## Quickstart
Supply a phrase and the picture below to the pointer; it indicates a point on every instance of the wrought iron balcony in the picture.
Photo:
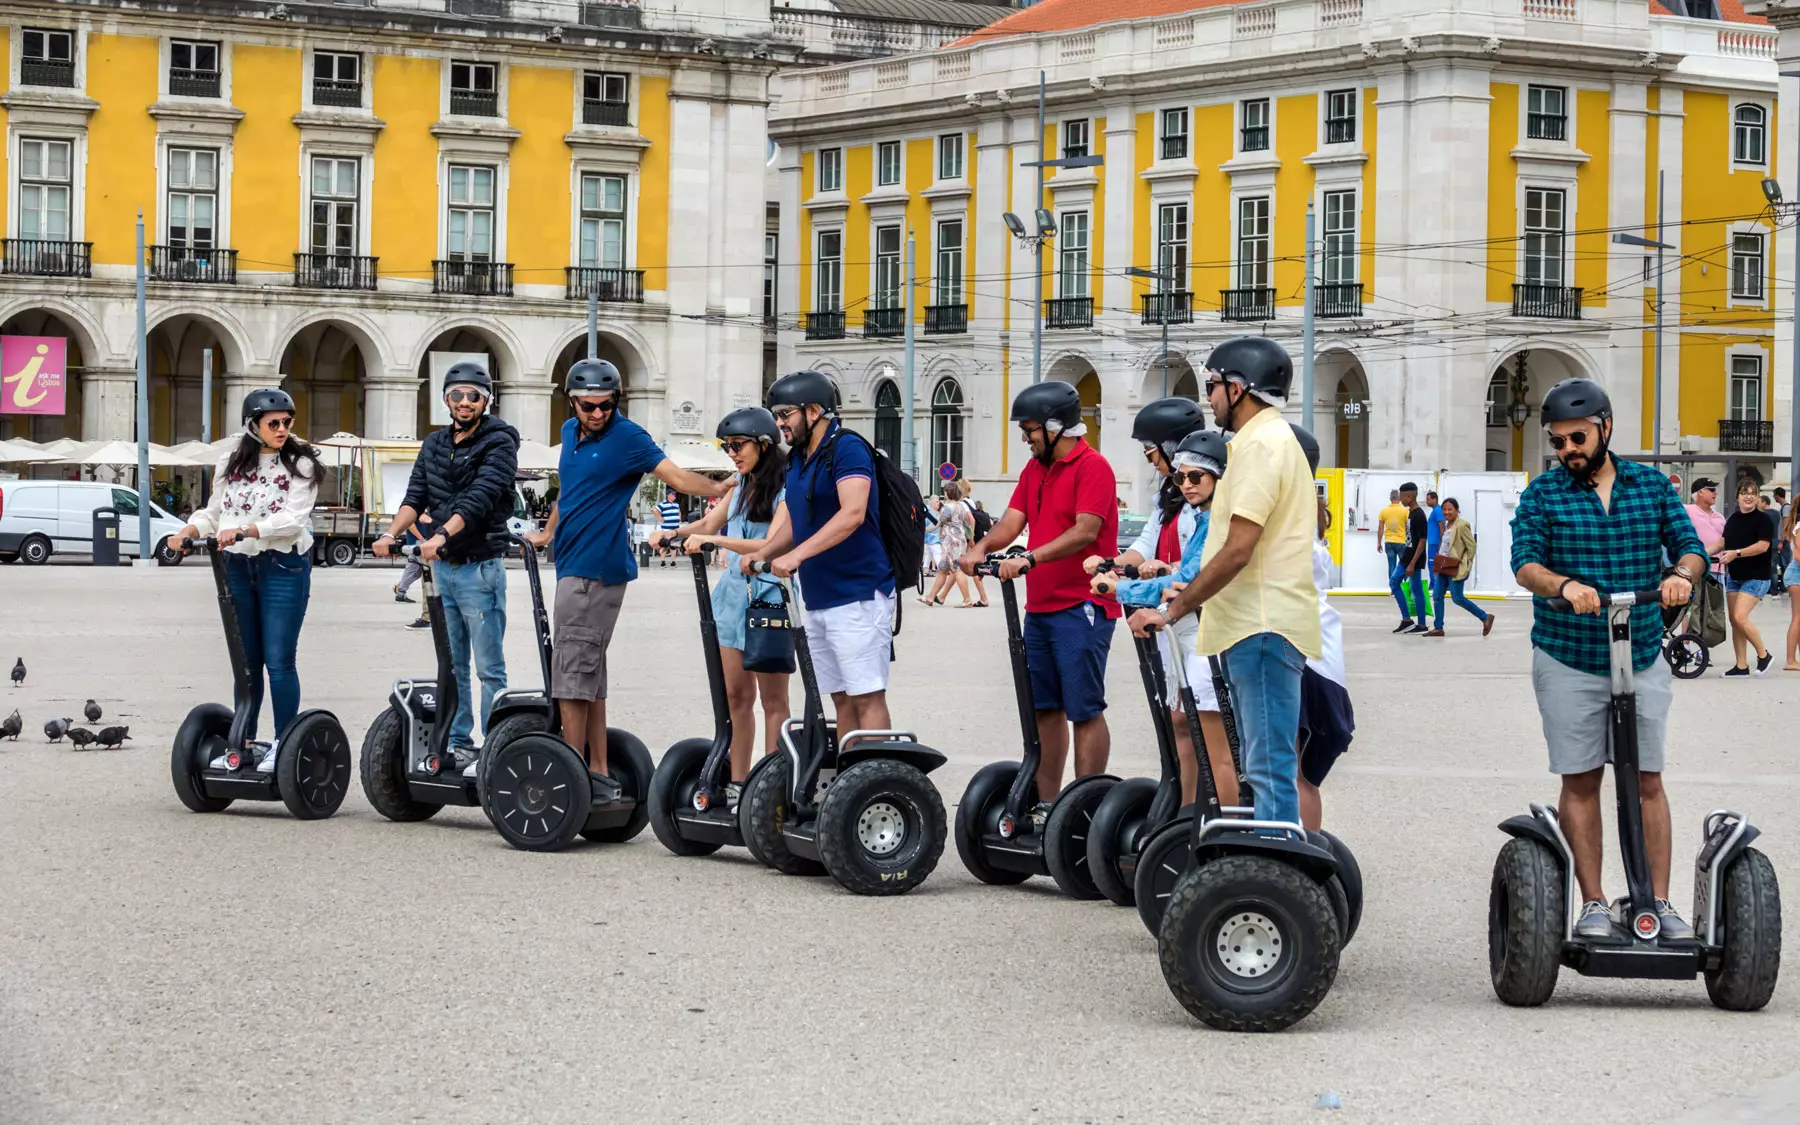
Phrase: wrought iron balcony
(1556, 302)
(884, 322)
(42, 257)
(1545, 126)
(946, 320)
(1338, 299)
(594, 111)
(475, 103)
(472, 279)
(1738, 435)
(47, 72)
(608, 283)
(1173, 307)
(186, 83)
(1257, 303)
(1069, 312)
(193, 264)
(334, 271)
(1175, 147)
(1340, 130)
(825, 325)
(337, 92)
(1255, 138)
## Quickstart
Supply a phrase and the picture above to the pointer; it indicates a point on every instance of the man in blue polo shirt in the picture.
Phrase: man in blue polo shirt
(604, 457)
(834, 542)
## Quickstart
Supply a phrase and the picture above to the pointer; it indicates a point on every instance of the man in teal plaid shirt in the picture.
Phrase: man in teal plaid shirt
(1597, 525)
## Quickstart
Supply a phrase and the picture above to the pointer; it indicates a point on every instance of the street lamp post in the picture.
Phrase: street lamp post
(1164, 284)
(1659, 246)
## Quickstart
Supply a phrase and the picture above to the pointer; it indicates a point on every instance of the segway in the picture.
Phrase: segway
(1532, 906)
(995, 834)
(857, 805)
(312, 761)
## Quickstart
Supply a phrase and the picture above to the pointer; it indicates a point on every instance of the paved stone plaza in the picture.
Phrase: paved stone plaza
(157, 965)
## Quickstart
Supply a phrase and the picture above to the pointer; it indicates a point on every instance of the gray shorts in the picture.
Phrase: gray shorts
(586, 611)
(1574, 706)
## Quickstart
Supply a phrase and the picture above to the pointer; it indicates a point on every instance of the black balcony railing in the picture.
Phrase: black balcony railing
(946, 320)
(884, 322)
(185, 83)
(1338, 299)
(1556, 302)
(475, 103)
(42, 257)
(608, 283)
(597, 112)
(337, 92)
(825, 325)
(1738, 435)
(334, 271)
(472, 279)
(1247, 304)
(1069, 312)
(47, 72)
(1545, 126)
(1173, 307)
(1174, 148)
(1255, 138)
(192, 264)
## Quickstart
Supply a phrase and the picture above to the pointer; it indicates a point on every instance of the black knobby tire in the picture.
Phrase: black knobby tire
(881, 827)
(1687, 656)
(1750, 912)
(982, 804)
(628, 761)
(1166, 856)
(1117, 830)
(751, 844)
(383, 769)
(1066, 834)
(206, 724)
(513, 726)
(1528, 902)
(763, 807)
(34, 551)
(672, 790)
(312, 767)
(1216, 914)
(1349, 882)
(539, 795)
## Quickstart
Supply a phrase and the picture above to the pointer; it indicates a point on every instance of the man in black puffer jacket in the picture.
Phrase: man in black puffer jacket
(464, 479)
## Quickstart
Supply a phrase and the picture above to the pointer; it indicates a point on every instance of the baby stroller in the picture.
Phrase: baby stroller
(1690, 633)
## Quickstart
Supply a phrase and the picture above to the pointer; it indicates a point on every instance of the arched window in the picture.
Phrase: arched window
(1747, 132)
(1499, 399)
(946, 428)
(887, 419)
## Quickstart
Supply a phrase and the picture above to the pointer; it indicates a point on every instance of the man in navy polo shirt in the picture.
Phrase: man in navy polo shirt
(604, 457)
(834, 542)
(1068, 496)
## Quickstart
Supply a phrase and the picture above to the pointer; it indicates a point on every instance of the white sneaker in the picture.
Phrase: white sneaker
(267, 763)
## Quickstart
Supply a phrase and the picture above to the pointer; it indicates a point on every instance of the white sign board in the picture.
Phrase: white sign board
(441, 362)
(685, 419)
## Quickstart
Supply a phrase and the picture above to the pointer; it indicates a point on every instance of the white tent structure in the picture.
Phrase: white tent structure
(536, 457)
(200, 452)
(699, 457)
(63, 447)
(19, 452)
(126, 453)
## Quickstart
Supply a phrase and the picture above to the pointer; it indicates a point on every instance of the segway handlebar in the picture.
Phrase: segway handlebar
(1652, 596)
(209, 542)
(989, 567)
(1108, 566)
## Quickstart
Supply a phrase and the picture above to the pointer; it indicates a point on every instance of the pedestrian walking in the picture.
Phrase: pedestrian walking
(1790, 538)
(953, 531)
(413, 569)
(980, 523)
(1434, 526)
(1409, 572)
(1747, 555)
(668, 518)
(1390, 538)
(1709, 522)
(1450, 567)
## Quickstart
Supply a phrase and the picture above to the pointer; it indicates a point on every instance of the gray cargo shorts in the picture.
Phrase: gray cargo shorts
(1575, 705)
(586, 611)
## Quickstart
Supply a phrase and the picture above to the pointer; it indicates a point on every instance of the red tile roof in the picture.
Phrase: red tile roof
(1731, 11)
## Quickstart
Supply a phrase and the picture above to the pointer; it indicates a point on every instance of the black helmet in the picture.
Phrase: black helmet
(1052, 404)
(469, 375)
(592, 377)
(1259, 363)
(1572, 399)
(1309, 443)
(749, 421)
(258, 403)
(1166, 421)
(804, 388)
(1207, 445)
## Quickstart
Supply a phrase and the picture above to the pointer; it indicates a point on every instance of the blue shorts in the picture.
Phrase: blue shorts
(1065, 652)
(1792, 575)
(1757, 588)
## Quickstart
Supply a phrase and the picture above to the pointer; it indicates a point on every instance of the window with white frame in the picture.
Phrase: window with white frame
(45, 186)
(1172, 247)
(887, 267)
(1075, 137)
(829, 292)
(1253, 243)
(948, 280)
(336, 196)
(887, 163)
(1339, 265)
(602, 221)
(1253, 134)
(1072, 248)
(946, 427)
(474, 89)
(1545, 212)
(1340, 117)
(1546, 113)
(1746, 401)
(1174, 133)
(193, 68)
(47, 57)
(605, 98)
(771, 245)
(831, 169)
(337, 79)
(193, 198)
(469, 219)
(1747, 135)
(950, 156)
(1747, 266)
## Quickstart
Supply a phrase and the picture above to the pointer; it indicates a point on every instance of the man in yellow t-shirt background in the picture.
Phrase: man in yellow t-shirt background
(1392, 539)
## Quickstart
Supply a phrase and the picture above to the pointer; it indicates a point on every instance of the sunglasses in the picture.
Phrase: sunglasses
(465, 396)
(605, 406)
(279, 423)
(1192, 476)
(1212, 385)
(785, 413)
(737, 444)
(1578, 438)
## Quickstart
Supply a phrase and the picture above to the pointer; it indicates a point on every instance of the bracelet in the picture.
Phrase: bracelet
(1564, 586)
(1030, 560)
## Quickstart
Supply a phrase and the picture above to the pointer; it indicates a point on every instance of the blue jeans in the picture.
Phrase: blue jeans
(1264, 671)
(1443, 582)
(1398, 577)
(475, 611)
(270, 590)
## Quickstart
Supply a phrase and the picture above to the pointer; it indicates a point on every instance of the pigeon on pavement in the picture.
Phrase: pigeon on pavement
(80, 736)
(92, 711)
(18, 672)
(11, 726)
(56, 728)
(111, 737)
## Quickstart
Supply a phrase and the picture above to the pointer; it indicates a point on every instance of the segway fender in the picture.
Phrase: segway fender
(1528, 827)
(922, 758)
(1316, 859)
(522, 704)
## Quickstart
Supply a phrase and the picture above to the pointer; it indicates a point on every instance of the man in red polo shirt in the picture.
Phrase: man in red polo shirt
(1067, 495)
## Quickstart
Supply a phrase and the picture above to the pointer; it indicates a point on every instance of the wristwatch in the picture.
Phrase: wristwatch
(1683, 571)
(1030, 560)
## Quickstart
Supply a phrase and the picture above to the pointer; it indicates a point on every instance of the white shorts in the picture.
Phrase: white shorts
(852, 645)
(1198, 671)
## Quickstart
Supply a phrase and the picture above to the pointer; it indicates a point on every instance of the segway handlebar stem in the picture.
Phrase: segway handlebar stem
(209, 542)
(989, 567)
(1652, 596)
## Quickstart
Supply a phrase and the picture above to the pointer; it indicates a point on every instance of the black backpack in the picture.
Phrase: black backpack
(984, 523)
(901, 512)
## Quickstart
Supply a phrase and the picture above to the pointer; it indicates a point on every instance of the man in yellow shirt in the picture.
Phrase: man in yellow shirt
(1392, 541)
(1255, 580)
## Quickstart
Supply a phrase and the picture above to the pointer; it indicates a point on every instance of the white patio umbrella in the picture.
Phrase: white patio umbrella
(699, 457)
(19, 452)
(126, 453)
(538, 457)
(199, 452)
(63, 447)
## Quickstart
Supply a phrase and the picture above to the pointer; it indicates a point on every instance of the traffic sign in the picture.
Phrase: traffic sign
(946, 471)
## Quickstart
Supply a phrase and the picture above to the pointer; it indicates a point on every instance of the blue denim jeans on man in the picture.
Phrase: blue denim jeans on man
(270, 590)
(1442, 583)
(1398, 577)
(1264, 671)
(475, 611)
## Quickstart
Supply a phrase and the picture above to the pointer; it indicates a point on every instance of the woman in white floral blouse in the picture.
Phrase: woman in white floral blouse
(261, 513)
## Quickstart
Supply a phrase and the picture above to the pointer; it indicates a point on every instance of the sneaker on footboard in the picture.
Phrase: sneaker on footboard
(1674, 926)
(1596, 921)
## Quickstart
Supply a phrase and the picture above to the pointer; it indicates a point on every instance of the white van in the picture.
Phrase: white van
(39, 518)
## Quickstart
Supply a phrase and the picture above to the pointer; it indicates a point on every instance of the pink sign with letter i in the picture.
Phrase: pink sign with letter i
(33, 374)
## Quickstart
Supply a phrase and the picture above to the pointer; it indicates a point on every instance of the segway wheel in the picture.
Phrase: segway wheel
(1750, 912)
(764, 807)
(205, 728)
(1249, 943)
(1527, 909)
(629, 764)
(1687, 655)
(881, 827)
(505, 731)
(1347, 883)
(672, 789)
(1066, 835)
(1116, 830)
(312, 765)
(383, 769)
(978, 814)
(1166, 856)
(539, 795)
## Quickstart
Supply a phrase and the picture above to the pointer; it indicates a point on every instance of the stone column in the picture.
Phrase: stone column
(525, 404)
(391, 405)
(237, 386)
(108, 404)
(1625, 369)
(692, 283)
(1006, 367)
